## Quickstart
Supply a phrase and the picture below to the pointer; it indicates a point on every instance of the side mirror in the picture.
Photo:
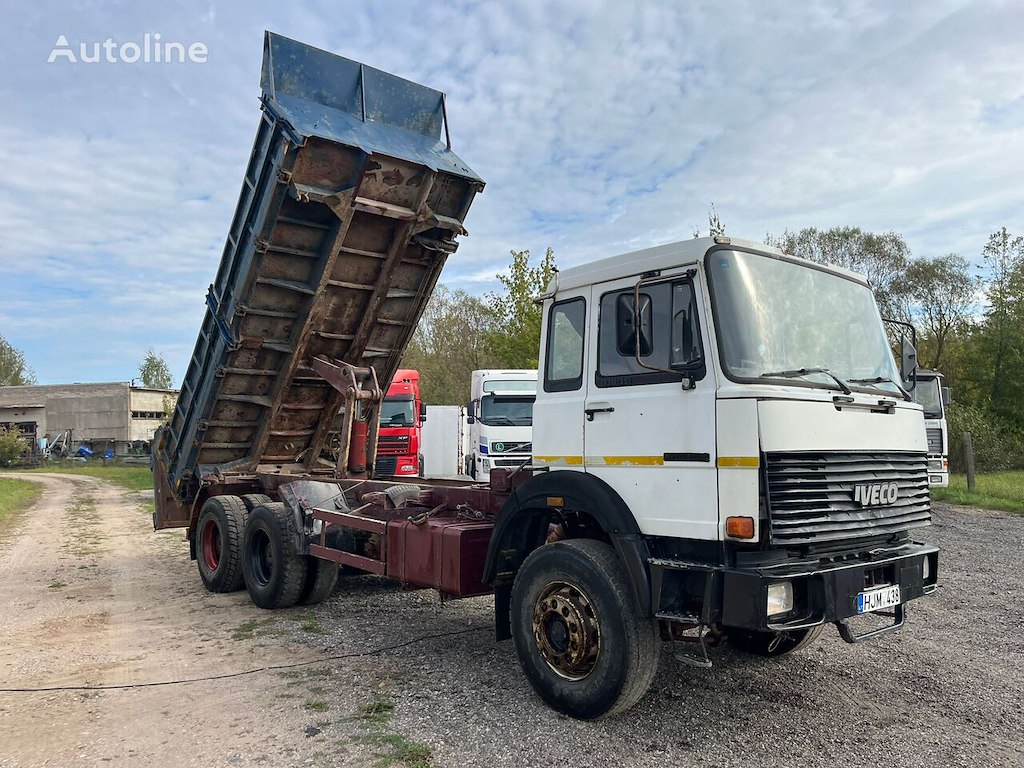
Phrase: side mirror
(470, 413)
(908, 360)
(947, 397)
(423, 412)
(633, 325)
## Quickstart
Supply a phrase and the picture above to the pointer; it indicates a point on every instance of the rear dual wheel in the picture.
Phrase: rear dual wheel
(218, 543)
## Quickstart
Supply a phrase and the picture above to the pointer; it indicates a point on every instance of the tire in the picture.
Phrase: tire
(274, 572)
(581, 640)
(321, 579)
(219, 543)
(773, 644)
(253, 500)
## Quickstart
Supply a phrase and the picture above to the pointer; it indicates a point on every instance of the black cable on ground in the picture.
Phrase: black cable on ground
(243, 673)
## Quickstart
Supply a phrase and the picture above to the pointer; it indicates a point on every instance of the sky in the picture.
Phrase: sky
(599, 127)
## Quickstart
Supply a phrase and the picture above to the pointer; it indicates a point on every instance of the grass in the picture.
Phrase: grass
(998, 490)
(254, 628)
(16, 496)
(391, 748)
(129, 476)
(317, 705)
(311, 625)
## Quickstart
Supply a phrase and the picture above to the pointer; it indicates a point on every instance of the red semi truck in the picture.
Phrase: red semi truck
(399, 442)
(720, 450)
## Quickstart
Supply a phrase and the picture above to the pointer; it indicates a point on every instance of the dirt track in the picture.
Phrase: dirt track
(89, 594)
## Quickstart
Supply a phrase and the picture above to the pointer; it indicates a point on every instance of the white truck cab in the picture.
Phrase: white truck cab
(499, 418)
(934, 397)
(730, 421)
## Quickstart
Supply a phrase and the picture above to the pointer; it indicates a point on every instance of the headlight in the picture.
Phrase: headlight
(935, 465)
(780, 598)
(926, 569)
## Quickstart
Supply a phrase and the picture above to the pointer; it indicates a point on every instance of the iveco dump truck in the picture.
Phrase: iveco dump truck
(721, 450)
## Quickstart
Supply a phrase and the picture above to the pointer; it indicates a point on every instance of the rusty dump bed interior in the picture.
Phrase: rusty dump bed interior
(351, 203)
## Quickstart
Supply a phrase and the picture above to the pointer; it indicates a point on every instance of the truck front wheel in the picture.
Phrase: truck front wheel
(219, 543)
(580, 637)
(274, 572)
(773, 643)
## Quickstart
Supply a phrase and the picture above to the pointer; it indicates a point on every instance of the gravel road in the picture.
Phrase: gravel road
(945, 691)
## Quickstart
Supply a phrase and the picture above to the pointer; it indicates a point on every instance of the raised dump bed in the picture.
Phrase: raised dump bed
(351, 203)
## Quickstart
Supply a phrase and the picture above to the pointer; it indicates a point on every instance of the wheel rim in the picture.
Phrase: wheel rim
(567, 630)
(211, 544)
(261, 555)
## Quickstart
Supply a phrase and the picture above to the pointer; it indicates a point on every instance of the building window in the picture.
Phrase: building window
(149, 415)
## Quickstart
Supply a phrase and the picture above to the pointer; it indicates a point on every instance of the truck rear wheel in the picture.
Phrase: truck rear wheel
(274, 572)
(581, 639)
(321, 579)
(219, 543)
(773, 644)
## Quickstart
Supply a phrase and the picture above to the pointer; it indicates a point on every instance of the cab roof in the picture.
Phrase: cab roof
(671, 255)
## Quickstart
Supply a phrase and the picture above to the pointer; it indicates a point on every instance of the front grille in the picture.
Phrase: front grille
(511, 447)
(393, 445)
(812, 497)
(934, 440)
(385, 465)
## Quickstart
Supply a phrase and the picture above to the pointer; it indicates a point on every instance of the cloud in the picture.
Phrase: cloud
(600, 128)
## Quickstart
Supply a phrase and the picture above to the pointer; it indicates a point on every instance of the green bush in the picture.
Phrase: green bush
(997, 445)
(12, 445)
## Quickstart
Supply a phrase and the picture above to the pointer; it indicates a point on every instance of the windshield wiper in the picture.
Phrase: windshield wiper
(883, 380)
(806, 371)
(496, 420)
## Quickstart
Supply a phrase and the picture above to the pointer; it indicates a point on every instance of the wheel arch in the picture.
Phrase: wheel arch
(522, 527)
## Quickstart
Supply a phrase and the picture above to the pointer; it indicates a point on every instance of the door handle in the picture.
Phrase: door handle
(600, 409)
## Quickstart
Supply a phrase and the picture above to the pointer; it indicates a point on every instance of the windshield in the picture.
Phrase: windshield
(397, 413)
(778, 320)
(929, 396)
(507, 411)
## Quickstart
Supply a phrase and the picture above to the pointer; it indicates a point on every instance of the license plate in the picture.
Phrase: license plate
(876, 599)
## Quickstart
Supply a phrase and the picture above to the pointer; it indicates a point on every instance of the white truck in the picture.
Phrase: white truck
(934, 398)
(499, 419)
(722, 450)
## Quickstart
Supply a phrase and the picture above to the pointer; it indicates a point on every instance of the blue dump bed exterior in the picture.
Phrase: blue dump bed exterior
(351, 203)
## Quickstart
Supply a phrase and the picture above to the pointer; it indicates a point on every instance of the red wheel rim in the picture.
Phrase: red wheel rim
(211, 545)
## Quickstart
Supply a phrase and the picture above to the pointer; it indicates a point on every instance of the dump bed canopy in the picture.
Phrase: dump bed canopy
(349, 207)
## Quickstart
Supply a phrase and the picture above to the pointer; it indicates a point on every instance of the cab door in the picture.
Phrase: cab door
(558, 411)
(649, 412)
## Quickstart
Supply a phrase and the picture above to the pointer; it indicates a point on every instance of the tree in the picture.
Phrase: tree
(12, 444)
(154, 372)
(514, 337)
(882, 258)
(449, 343)
(14, 371)
(1003, 255)
(942, 292)
(715, 226)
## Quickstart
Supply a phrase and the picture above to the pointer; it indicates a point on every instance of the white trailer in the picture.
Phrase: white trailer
(444, 441)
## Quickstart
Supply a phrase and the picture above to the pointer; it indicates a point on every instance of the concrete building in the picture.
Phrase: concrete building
(115, 416)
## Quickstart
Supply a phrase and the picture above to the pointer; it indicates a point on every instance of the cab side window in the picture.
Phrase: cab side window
(563, 359)
(661, 330)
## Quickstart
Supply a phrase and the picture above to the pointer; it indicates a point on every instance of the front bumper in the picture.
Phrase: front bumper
(826, 591)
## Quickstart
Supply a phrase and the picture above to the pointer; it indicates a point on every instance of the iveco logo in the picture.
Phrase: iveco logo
(875, 494)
